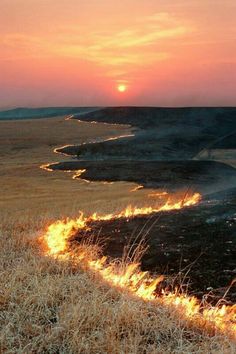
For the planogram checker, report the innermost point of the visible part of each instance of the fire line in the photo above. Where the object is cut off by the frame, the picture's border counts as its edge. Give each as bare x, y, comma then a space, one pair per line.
129, 277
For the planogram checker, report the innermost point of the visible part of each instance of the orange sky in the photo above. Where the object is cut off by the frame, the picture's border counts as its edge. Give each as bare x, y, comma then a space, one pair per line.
76, 52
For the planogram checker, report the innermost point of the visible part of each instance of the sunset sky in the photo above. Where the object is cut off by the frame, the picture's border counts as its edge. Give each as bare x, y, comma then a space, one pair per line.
109, 52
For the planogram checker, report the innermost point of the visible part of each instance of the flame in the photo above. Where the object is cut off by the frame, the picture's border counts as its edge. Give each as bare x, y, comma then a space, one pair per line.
60, 150
129, 276
137, 188
47, 167
157, 195
78, 173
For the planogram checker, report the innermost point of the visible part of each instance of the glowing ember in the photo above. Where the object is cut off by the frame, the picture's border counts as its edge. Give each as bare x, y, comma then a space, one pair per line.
129, 277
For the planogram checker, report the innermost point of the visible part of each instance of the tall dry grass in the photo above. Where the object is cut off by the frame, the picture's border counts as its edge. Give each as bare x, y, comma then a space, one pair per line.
49, 306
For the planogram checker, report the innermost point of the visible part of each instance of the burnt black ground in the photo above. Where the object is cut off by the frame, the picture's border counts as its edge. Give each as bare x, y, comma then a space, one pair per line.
201, 176
195, 246
161, 152
161, 133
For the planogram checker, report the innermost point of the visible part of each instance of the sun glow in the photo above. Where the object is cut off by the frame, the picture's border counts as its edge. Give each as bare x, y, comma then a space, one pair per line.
122, 88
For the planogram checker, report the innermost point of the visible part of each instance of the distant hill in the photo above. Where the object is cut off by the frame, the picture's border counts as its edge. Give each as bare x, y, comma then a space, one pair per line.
29, 113
146, 117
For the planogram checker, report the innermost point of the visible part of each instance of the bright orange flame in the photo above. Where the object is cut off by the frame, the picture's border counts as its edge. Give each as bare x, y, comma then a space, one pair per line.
129, 276
59, 232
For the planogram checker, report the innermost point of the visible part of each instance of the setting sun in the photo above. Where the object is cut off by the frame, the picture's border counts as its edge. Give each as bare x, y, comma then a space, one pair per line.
121, 88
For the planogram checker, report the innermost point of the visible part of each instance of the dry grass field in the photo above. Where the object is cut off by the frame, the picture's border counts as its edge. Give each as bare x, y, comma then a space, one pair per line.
50, 306
27, 189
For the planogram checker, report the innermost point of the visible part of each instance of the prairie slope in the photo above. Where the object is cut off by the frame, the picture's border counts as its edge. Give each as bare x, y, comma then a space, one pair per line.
54, 307
202, 176
160, 152
163, 133
25, 188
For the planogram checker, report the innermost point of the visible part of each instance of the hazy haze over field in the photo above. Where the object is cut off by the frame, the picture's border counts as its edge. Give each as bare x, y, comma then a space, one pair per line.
77, 52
